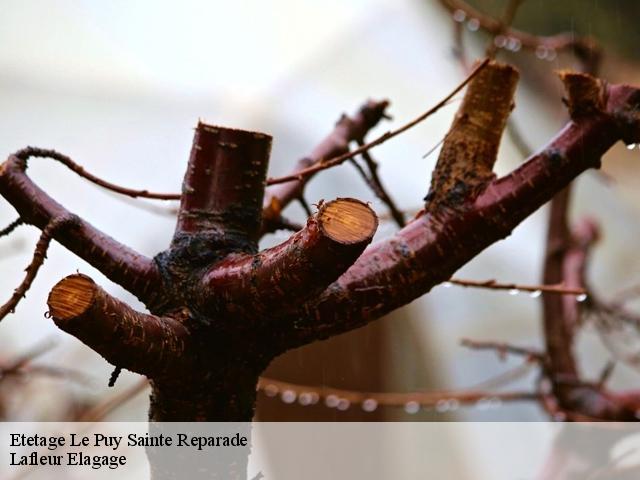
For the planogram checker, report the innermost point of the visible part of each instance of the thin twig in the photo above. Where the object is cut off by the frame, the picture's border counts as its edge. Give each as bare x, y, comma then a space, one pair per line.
503, 348
493, 285
388, 399
28, 152
39, 256
375, 183
11, 227
332, 162
583, 47
505, 24
305, 206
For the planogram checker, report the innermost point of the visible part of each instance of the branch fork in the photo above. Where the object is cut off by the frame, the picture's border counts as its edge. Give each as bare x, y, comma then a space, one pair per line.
220, 310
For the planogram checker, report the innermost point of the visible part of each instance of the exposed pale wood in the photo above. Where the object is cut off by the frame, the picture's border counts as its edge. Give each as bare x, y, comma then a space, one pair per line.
346, 220
72, 296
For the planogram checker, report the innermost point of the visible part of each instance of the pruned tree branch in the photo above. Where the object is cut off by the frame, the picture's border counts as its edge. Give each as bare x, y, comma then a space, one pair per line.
296, 270
391, 273
121, 264
136, 341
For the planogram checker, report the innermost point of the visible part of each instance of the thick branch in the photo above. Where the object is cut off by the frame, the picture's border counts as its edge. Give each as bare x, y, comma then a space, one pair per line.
223, 188
431, 248
133, 271
298, 269
470, 149
124, 337
346, 130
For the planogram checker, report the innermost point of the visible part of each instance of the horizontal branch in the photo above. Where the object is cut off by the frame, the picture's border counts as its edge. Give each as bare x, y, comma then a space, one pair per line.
431, 248
559, 289
296, 270
133, 271
346, 130
136, 341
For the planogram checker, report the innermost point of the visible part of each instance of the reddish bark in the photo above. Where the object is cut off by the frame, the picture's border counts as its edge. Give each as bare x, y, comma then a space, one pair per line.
220, 312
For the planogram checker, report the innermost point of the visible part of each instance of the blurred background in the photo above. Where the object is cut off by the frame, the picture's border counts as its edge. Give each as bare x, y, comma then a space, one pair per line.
120, 85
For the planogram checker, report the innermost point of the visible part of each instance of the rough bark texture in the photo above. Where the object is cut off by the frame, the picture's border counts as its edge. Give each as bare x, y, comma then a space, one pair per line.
470, 149
220, 311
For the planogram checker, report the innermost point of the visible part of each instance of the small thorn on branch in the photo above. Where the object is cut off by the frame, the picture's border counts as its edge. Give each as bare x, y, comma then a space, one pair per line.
114, 376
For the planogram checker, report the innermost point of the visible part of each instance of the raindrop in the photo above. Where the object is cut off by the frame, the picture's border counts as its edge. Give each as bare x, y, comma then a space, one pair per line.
473, 24
343, 404
447, 284
514, 291
288, 396
369, 405
495, 402
459, 16
271, 390
442, 406
412, 407
483, 403
304, 399
581, 298
631, 146
535, 294
314, 398
542, 52
500, 41
514, 44
331, 401
551, 55
454, 404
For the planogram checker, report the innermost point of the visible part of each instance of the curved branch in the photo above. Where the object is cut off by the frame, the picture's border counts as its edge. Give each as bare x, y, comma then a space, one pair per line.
80, 171
136, 341
298, 269
119, 263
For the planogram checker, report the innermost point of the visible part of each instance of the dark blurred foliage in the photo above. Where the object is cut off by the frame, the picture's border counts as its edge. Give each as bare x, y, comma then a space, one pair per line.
615, 23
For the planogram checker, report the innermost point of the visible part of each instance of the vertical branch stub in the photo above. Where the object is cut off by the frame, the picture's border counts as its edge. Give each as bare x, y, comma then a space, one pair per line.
471, 147
224, 185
